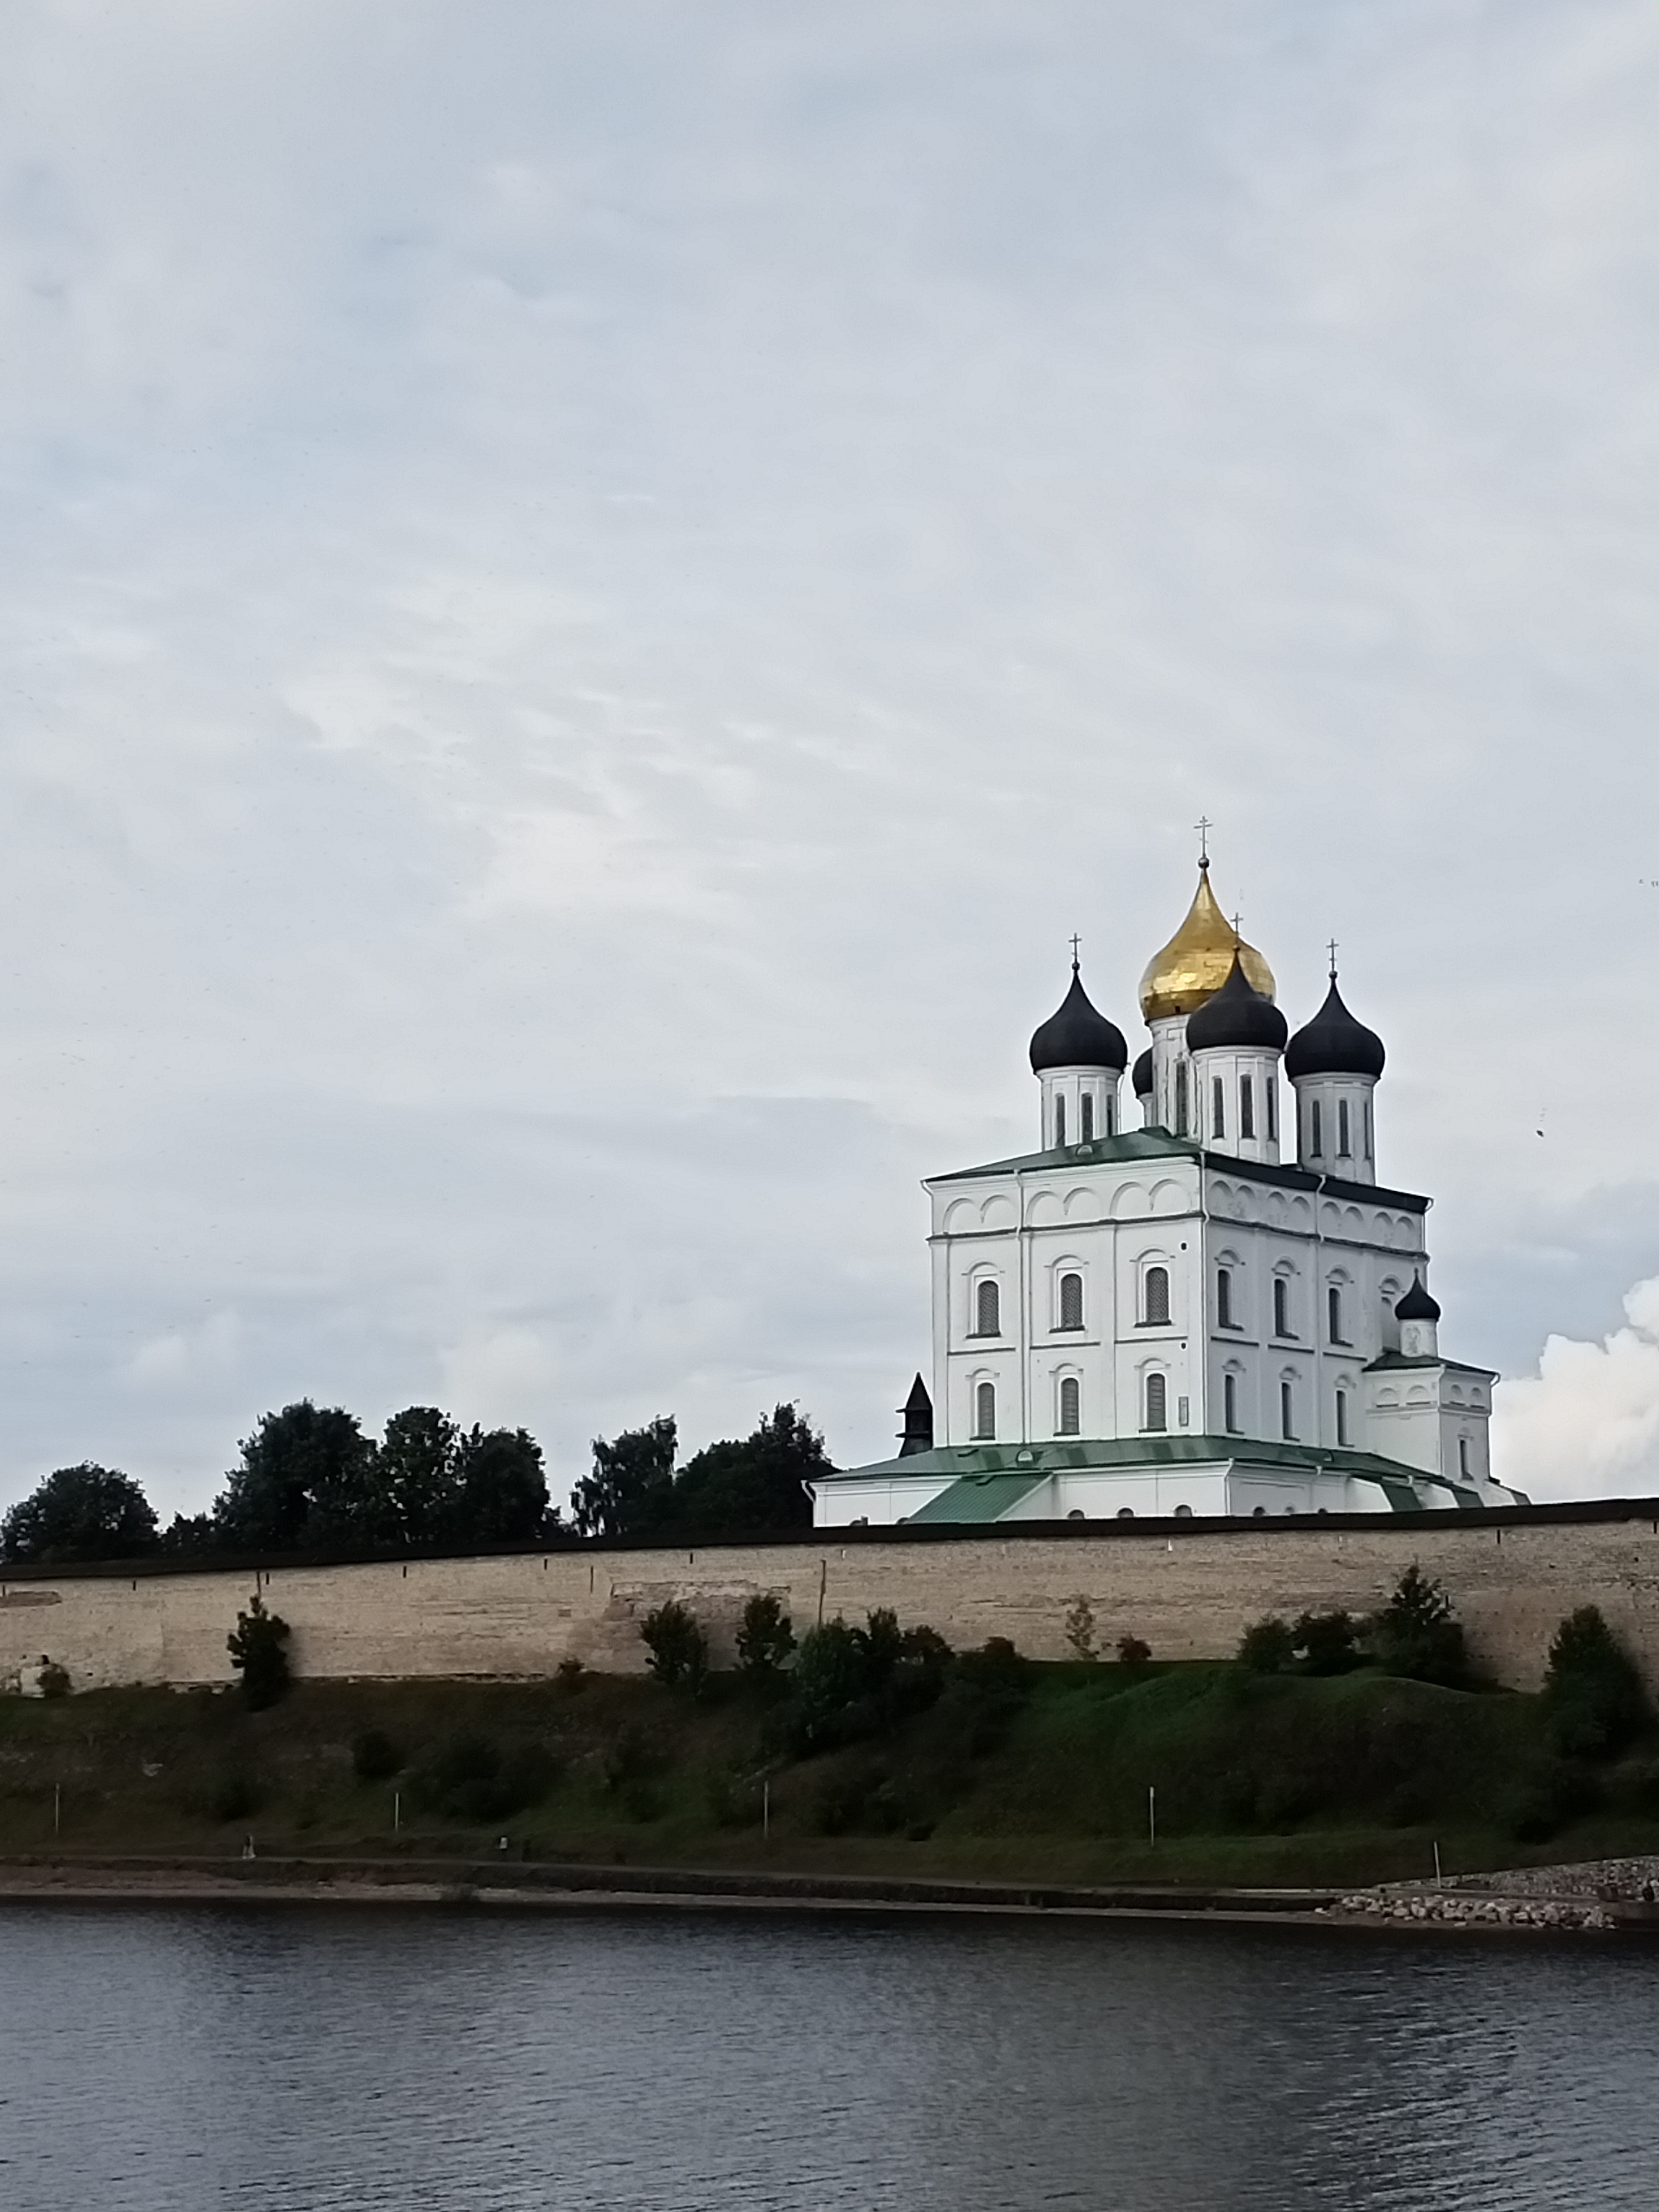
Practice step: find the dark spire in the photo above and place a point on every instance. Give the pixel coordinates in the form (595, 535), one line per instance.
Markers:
(1417, 1304)
(1238, 1016)
(917, 1412)
(1143, 1075)
(1334, 1044)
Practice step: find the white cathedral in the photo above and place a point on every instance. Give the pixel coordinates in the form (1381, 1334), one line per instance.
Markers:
(1170, 1320)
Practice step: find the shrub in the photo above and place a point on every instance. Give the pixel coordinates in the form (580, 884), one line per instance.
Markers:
(767, 1637)
(1544, 1804)
(1416, 1635)
(848, 1683)
(54, 1679)
(471, 1779)
(1132, 1653)
(232, 1797)
(1592, 1692)
(1267, 1646)
(1325, 1642)
(985, 1694)
(1081, 1627)
(256, 1647)
(374, 1756)
(678, 1649)
(570, 1676)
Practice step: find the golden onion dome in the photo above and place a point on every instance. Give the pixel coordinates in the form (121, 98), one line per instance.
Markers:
(1198, 959)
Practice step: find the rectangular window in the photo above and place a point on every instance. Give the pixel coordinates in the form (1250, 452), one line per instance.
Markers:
(1230, 1403)
(1155, 1292)
(1286, 1413)
(1368, 1128)
(1281, 1306)
(1246, 1107)
(1070, 1406)
(1111, 1119)
(1335, 1296)
(1463, 1457)
(1272, 1111)
(1342, 1417)
(1060, 1122)
(1070, 1301)
(1315, 1135)
(1343, 1147)
(1183, 1411)
(1086, 1111)
(985, 1410)
(1181, 1098)
(1219, 1107)
(1223, 1297)
(1157, 1402)
(987, 1309)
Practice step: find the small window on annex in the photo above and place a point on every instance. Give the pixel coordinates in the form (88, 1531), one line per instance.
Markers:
(1223, 1299)
(1246, 1107)
(1155, 1295)
(1060, 1122)
(985, 1410)
(1086, 1115)
(1342, 1417)
(1070, 1406)
(1286, 1411)
(987, 1309)
(1218, 1108)
(1281, 1307)
(1463, 1457)
(1157, 1402)
(1070, 1301)
(1229, 1404)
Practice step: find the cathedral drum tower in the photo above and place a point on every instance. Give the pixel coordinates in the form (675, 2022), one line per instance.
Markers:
(1176, 1319)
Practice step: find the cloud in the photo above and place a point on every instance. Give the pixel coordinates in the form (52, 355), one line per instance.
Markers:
(1587, 1422)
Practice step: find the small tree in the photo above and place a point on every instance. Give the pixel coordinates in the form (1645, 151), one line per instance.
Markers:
(1325, 1642)
(767, 1637)
(1592, 1691)
(678, 1649)
(256, 1648)
(1132, 1653)
(1267, 1646)
(1081, 1627)
(1417, 1635)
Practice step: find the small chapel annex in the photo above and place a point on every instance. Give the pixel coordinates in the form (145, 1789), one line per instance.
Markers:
(1172, 1319)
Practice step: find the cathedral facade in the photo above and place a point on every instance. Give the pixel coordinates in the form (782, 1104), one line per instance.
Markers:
(1220, 1310)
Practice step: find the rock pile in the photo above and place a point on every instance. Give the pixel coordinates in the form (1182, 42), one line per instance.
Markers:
(1448, 1907)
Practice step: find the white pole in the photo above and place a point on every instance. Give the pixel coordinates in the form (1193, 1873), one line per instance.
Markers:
(766, 1809)
(1151, 1812)
(397, 1810)
(1436, 1866)
(57, 1807)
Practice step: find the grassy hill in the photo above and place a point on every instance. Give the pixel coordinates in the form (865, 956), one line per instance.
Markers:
(1278, 1778)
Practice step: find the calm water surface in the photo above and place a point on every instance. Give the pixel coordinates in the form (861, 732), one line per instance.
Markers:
(322, 2059)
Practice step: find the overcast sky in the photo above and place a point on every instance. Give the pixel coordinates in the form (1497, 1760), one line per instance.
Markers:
(590, 594)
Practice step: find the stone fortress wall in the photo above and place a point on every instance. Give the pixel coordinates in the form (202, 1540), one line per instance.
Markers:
(1188, 1588)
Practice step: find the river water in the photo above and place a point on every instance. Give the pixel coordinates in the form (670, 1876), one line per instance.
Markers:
(158, 2061)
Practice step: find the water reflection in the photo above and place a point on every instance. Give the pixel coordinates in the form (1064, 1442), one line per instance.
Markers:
(320, 2059)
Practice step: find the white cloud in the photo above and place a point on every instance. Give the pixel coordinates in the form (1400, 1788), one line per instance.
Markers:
(1587, 1422)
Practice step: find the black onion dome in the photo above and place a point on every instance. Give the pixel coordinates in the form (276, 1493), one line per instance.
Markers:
(1417, 1304)
(1334, 1044)
(1238, 1016)
(1078, 1036)
(1143, 1076)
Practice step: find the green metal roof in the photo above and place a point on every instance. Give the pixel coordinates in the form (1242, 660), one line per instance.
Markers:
(1386, 1361)
(979, 1498)
(1128, 1144)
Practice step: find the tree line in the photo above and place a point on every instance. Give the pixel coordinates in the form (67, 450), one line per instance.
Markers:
(310, 1480)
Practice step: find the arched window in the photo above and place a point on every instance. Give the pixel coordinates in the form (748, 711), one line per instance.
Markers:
(1334, 1298)
(1230, 1403)
(1281, 1306)
(1368, 1128)
(1181, 1098)
(987, 1309)
(1070, 1406)
(1060, 1121)
(1316, 1137)
(1070, 1301)
(1272, 1111)
(1156, 1297)
(1246, 1107)
(1343, 1146)
(1157, 1402)
(1463, 1457)
(1342, 1417)
(1223, 1297)
(1087, 1110)
(1077, 1513)
(1183, 1513)
(1286, 1412)
(1111, 1117)
(985, 1410)
(1126, 1512)
(1218, 1107)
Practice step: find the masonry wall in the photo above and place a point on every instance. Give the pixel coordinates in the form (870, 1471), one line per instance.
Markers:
(1188, 1589)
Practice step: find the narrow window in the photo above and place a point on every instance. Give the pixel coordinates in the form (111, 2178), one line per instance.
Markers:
(1463, 1457)
(1286, 1411)
(1273, 1111)
(1281, 1306)
(1060, 1122)
(985, 1409)
(1158, 1402)
(1368, 1128)
(1086, 1109)
(1246, 1107)
(1342, 1417)
(1111, 1117)
(987, 1316)
(1181, 1098)
(1343, 1147)
(1157, 1299)
(1071, 1395)
(1219, 1105)
(1335, 1297)
(1223, 1297)
(1070, 1301)
(1316, 1139)
(1230, 1403)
